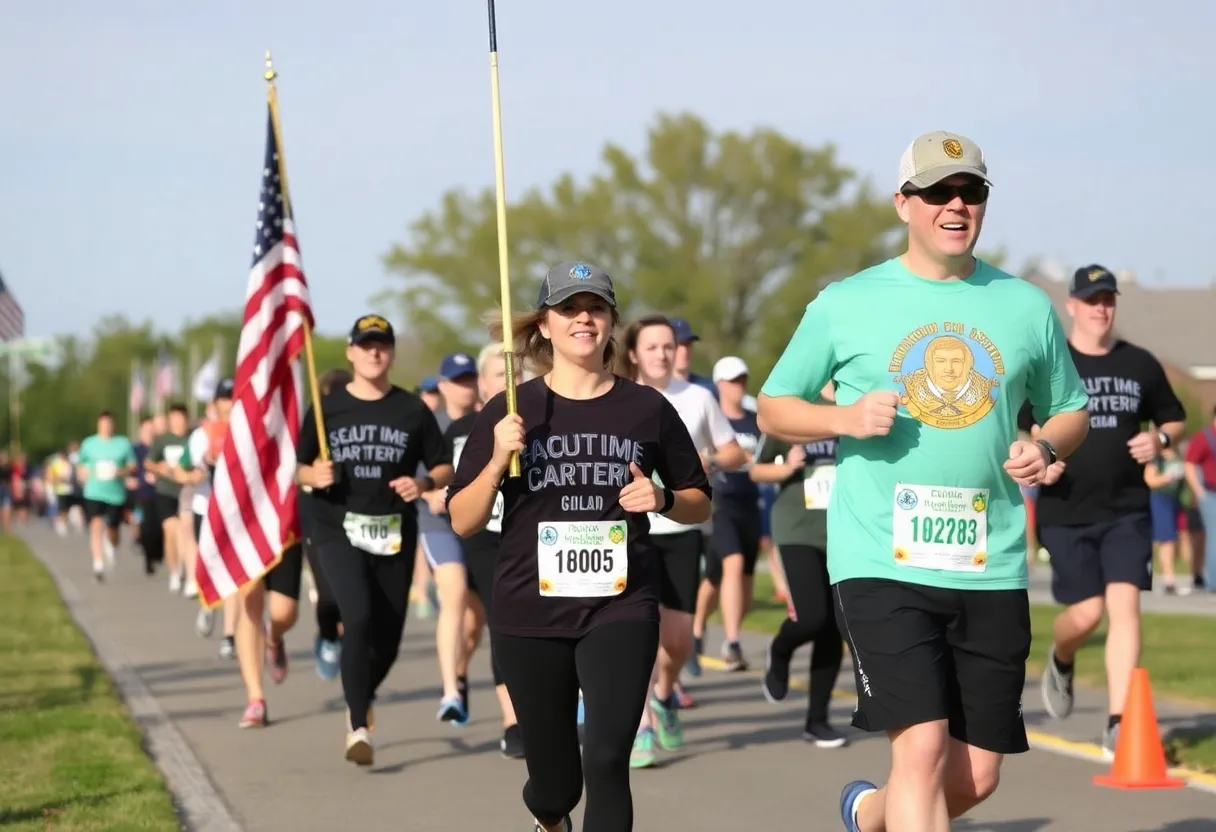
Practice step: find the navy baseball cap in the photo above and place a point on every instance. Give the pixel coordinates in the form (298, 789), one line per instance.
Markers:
(683, 330)
(565, 280)
(1088, 281)
(224, 389)
(456, 365)
(430, 384)
(372, 328)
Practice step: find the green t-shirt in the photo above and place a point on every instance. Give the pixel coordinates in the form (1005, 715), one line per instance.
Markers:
(104, 460)
(174, 450)
(929, 503)
(799, 515)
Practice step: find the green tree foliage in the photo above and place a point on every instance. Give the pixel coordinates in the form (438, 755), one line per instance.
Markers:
(735, 231)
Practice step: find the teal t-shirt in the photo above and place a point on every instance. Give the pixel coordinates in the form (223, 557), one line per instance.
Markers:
(105, 459)
(929, 503)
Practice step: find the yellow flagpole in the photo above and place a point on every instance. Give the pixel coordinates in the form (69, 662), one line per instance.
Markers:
(500, 192)
(310, 364)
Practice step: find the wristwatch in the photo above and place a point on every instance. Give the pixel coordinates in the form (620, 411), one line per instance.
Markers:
(1163, 439)
(1052, 456)
(426, 483)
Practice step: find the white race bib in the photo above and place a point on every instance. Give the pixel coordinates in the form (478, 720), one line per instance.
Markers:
(174, 454)
(380, 535)
(582, 560)
(941, 528)
(104, 469)
(817, 488)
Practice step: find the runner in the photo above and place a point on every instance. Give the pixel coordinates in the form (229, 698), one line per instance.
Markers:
(164, 457)
(577, 589)
(806, 474)
(1200, 460)
(143, 484)
(1094, 521)
(458, 387)
(730, 563)
(685, 338)
(364, 517)
(423, 595)
(481, 552)
(104, 460)
(648, 358)
(926, 550)
(327, 646)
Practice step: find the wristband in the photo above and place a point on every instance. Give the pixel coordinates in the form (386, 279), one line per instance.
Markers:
(1049, 449)
(669, 501)
(426, 483)
(1163, 439)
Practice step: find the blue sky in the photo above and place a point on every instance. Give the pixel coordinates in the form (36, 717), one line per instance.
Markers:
(132, 131)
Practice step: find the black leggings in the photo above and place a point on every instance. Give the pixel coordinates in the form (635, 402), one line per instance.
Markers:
(612, 665)
(806, 574)
(372, 592)
(328, 616)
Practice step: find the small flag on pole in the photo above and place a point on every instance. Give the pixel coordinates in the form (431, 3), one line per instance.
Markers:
(252, 515)
(12, 319)
(138, 390)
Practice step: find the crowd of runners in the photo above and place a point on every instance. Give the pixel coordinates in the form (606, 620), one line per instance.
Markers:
(883, 473)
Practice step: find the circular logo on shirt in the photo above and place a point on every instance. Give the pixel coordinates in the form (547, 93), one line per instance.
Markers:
(953, 148)
(548, 535)
(906, 499)
(948, 374)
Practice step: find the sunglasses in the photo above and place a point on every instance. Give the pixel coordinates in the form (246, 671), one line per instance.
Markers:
(971, 193)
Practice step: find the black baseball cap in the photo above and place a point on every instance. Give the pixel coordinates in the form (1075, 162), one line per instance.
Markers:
(1088, 281)
(225, 389)
(372, 328)
(565, 280)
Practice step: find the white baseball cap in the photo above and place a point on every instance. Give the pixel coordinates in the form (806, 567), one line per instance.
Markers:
(730, 368)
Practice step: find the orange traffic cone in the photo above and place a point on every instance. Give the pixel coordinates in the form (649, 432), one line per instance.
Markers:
(1139, 755)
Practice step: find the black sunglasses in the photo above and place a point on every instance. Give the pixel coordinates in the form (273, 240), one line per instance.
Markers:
(972, 193)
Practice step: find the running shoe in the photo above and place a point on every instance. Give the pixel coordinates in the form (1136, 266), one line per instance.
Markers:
(175, 582)
(512, 743)
(462, 687)
(327, 657)
(732, 657)
(824, 735)
(99, 572)
(255, 715)
(451, 709)
(683, 697)
(204, 623)
(850, 797)
(1056, 688)
(228, 648)
(693, 666)
(776, 682)
(667, 722)
(1110, 739)
(359, 747)
(567, 825)
(642, 755)
(276, 659)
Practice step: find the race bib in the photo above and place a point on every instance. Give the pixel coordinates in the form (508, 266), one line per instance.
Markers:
(941, 528)
(494, 524)
(582, 560)
(375, 534)
(173, 454)
(104, 469)
(817, 488)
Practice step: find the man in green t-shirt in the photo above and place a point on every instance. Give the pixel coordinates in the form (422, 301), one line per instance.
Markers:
(931, 355)
(169, 460)
(103, 462)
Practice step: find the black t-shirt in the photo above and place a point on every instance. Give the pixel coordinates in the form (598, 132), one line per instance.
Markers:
(485, 542)
(371, 443)
(573, 469)
(1127, 387)
(736, 487)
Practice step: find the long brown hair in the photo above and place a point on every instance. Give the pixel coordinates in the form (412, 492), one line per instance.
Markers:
(534, 350)
(625, 364)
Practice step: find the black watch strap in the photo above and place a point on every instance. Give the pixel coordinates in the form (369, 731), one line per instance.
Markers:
(1164, 439)
(669, 500)
(1052, 456)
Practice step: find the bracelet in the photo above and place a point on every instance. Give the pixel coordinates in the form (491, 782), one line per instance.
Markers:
(669, 501)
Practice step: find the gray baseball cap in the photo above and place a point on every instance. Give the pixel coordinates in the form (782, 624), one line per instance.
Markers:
(565, 280)
(938, 155)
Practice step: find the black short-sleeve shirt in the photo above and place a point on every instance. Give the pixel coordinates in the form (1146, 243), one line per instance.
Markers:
(574, 466)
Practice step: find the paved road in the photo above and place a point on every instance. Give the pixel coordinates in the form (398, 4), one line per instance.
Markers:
(744, 760)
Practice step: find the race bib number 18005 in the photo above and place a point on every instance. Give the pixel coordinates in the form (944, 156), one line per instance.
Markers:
(941, 528)
(582, 560)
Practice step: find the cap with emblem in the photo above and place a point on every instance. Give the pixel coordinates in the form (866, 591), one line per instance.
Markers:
(683, 331)
(430, 384)
(456, 365)
(566, 280)
(1088, 281)
(938, 155)
(372, 328)
(730, 368)
(224, 389)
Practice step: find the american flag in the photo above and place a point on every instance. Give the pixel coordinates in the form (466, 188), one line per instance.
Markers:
(165, 382)
(251, 515)
(12, 319)
(138, 390)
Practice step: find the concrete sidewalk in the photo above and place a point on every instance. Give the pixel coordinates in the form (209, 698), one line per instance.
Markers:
(744, 765)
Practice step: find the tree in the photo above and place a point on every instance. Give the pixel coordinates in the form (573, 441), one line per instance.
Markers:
(736, 232)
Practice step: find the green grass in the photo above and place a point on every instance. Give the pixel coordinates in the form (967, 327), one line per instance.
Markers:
(1177, 651)
(70, 757)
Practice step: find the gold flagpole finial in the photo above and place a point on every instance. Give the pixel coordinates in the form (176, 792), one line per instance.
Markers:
(270, 74)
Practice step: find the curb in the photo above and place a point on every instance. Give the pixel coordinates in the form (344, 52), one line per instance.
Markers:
(200, 807)
(1039, 740)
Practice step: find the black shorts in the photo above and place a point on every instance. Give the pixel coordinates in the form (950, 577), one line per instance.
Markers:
(922, 654)
(480, 561)
(112, 514)
(285, 577)
(166, 507)
(680, 569)
(66, 501)
(1086, 559)
(738, 527)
